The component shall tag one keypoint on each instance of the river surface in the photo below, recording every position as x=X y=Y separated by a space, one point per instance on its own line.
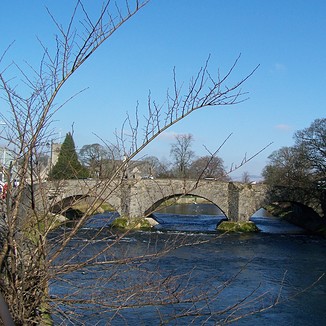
x=274 y=277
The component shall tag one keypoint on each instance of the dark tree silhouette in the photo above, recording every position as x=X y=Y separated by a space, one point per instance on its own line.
x=68 y=166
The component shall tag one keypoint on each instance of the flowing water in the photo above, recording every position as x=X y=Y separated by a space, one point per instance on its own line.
x=280 y=265
x=190 y=217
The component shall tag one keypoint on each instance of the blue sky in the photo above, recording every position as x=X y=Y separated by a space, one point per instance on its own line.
x=286 y=38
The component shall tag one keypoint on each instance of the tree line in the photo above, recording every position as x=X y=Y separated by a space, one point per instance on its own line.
x=300 y=165
x=303 y=164
x=100 y=162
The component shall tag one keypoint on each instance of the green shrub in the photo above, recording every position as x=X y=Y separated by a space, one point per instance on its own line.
x=227 y=226
x=131 y=224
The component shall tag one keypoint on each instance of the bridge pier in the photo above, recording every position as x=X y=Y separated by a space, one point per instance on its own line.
x=239 y=203
x=125 y=199
x=233 y=203
x=243 y=200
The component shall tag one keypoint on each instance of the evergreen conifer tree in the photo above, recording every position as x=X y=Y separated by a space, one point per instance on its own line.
x=68 y=166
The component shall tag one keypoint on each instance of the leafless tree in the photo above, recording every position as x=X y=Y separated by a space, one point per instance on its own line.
x=182 y=154
x=208 y=167
x=98 y=159
x=31 y=259
x=245 y=178
x=151 y=165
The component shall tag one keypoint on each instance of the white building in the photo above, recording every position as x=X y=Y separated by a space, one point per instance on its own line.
x=6 y=157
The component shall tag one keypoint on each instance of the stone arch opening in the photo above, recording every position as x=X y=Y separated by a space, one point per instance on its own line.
x=181 y=199
x=187 y=213
x=297 y=214
x=74 y=207
x=283 y=208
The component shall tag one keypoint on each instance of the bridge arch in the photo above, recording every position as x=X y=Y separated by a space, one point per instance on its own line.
x=300 y=196
x=59 y=207
x=146 y=196
x=65 y=193
x=293 y=210
x=190 y=197
x=297 y=205
x=75 y=203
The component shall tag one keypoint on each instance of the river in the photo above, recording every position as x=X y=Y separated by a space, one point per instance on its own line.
x=228 y=276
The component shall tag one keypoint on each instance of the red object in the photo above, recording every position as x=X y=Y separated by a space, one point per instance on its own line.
x=4 y=191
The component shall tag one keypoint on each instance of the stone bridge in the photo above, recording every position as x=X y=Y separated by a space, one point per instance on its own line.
x=136 y=198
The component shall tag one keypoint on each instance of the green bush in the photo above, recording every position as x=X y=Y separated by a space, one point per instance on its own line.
x=227 y=226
